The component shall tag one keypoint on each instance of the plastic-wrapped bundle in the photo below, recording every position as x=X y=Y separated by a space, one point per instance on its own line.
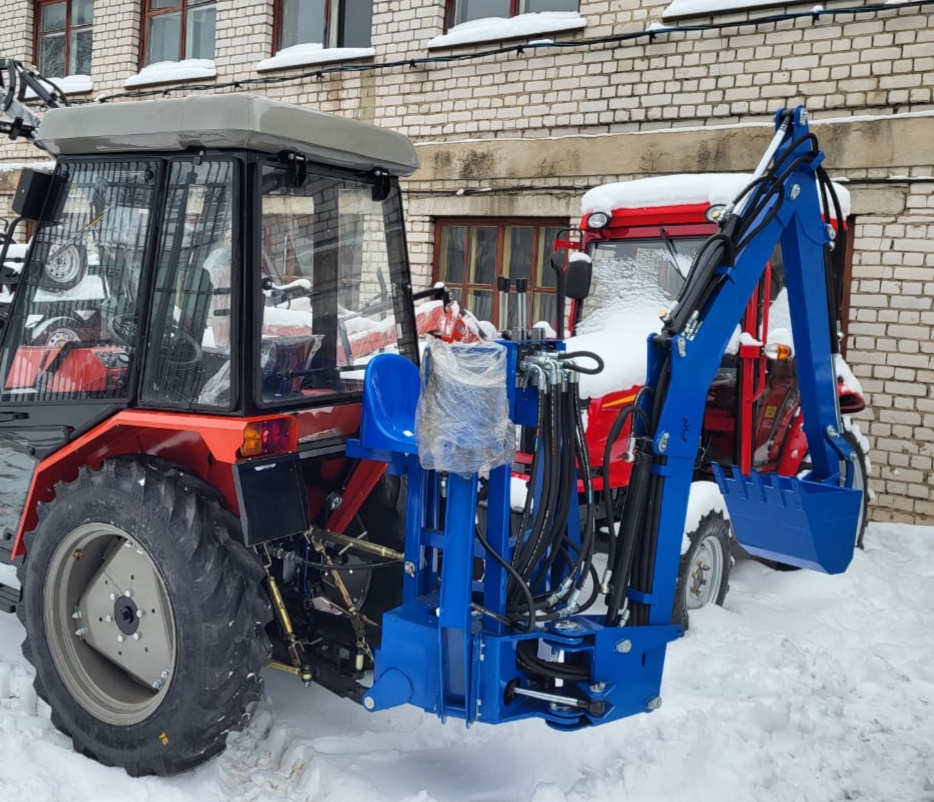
x=462 y=420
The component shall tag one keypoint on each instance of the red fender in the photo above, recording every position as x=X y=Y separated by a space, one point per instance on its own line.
x=206 y=445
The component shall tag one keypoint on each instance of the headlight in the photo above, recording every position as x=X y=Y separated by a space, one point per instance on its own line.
x=714 y=213
x=598 y=220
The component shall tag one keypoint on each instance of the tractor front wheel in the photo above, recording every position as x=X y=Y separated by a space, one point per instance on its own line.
x=704 y=574
x=143 y=617
x=860 y=482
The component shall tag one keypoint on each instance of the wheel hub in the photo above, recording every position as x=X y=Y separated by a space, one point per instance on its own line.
x=126 y=615
x=705 y=574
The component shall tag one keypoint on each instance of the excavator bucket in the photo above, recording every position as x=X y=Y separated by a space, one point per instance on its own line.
x=792 y=520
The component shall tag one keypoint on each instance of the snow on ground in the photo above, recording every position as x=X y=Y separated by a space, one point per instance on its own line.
x=804 y=687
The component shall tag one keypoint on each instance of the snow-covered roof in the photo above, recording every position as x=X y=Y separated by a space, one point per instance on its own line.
x=225 y=121
x=677 y=190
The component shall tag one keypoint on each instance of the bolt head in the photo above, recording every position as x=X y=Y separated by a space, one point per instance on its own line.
x=120 y=639
x=157 y=685
x=624 y=646
x=113 y=596
x=136 y=636
x=598 y=687
x=81 y=632
x=128 y=594
x=654 y=703
x=76 y=614
x=165 y=674
x=368 y=702
x=409 y=568
x=109 y=619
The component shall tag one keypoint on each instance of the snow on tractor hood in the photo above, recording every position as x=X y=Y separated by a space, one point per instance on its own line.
x=618 y=333
x=622 y=345
x=678 y=190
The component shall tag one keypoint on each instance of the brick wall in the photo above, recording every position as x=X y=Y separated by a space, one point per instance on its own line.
x=562 y=119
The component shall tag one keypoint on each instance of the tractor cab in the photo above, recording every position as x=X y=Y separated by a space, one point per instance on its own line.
x=225 y=254
x=640 y=238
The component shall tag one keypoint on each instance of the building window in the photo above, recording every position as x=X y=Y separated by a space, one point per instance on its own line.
x=459 y=11
x=179 y=29
x=470 y=254
x=330 y=23
x=63 y=37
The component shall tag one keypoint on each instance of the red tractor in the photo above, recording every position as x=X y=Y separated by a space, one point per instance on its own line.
x=164 y=464
x=637 y=241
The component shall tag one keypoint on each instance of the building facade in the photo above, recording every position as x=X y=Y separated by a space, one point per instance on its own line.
x=516 y=117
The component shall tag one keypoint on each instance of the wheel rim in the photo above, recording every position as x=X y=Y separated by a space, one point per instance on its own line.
x=109 y=624
x=64 y=266
x=704 y=574
x=61 y=336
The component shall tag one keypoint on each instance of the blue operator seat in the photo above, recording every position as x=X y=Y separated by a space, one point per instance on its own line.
x=390 y=393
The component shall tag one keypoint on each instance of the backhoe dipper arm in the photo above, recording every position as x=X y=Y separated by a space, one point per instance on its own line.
x=787 y=516
x=15 y=79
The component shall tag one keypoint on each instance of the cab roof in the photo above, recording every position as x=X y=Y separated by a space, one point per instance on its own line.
x=690 y=189
x=237 y=121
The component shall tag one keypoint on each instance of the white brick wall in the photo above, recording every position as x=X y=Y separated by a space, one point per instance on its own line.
x=851 y=65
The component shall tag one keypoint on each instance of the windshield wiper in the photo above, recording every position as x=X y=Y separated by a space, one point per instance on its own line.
x=671 y=251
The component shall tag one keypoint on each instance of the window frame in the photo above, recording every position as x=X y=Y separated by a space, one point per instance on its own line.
x=399 y=271
x=148 y=294
x=181 y=7
x=450 y=11
x=501 y=224
x=22 y=297
x=333 y=12
x=37 y=33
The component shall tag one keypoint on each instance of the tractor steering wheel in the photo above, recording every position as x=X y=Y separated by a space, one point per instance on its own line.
x=183 y=350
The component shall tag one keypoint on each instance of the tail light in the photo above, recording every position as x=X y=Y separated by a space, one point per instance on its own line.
x=275 y=436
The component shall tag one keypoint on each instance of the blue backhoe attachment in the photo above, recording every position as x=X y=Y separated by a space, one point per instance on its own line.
x=498 y=620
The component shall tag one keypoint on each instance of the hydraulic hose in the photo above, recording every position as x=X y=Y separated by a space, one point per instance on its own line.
x=583 y=355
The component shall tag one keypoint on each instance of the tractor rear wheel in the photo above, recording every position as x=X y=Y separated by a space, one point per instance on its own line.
x=143 y=617
x=704 y=574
